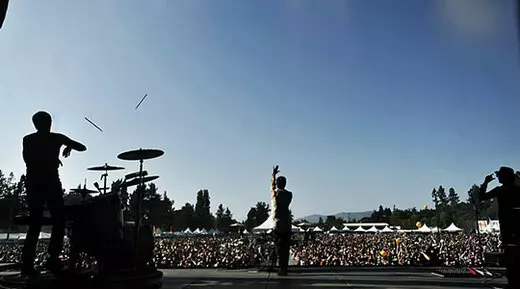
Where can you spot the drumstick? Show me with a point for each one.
(93, 124)
(142, 99)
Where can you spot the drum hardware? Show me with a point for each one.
(136, 174)
(142, 181)
(83, 192)
(106, 167)
(139, 155)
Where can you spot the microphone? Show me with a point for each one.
(97, 187)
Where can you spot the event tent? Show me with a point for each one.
(373, 229)
(269, 224)
(360, 229)
(333, 229)
(453, 228)
(386, 230)
(424, 229)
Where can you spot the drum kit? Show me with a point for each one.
(96, 225)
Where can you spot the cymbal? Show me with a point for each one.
(135, 181)
(136, 174)
(140, 154)
(105, 167)
(83, 191)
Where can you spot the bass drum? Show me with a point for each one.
(122, 253)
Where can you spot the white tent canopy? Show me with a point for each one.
(453, 228)
(424, 229)
(188, 231)
(333, 229)
(360, 229)
(386, 230)
(317, 229)
(269, 225)
(373, 229)
(346, 228)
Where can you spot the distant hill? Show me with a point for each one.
(343, 215)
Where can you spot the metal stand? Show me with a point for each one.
(138, 210)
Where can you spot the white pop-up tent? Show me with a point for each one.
(373, 229)
(333, 229)
(424, 229)
(386, 230)
(360, 230)
(317, 229)
(269, 225)
(453, 228)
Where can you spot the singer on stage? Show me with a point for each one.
(41, 152)
(282, 219)
(508, 196)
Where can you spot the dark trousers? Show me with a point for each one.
(512, 262)
(282, 244)
(39, 194)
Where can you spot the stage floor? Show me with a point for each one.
(317, 278)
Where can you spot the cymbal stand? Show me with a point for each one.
(138, 211)
(104, 178)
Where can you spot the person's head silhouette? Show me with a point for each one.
(42, 121)
(505, 175)
(281, 182)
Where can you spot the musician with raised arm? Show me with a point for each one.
(508, 196)
(41, 152)
(281, 199)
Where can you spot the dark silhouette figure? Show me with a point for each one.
(508, 196)
(3, 11)
(282, 219)
(41, 151)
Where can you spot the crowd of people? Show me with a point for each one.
(320, 250)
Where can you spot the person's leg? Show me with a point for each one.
(285, 247)
(56, 208)
(35, 204)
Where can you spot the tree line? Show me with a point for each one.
(448, 208)
(159, 210)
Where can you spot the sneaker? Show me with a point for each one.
(282, 272)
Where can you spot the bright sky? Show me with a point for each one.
(360, 102)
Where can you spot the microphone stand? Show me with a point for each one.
(476, 207)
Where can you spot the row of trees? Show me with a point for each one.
(159, 210)
(448, 208)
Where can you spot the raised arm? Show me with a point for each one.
(273, 180)
(483, 195)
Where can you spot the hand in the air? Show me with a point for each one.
(275, 170)
(66, 152)
(489, 178)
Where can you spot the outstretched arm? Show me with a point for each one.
(72, 145)
(483, 195)
(273, 180)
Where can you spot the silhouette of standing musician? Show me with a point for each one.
(41, 151)
(282, 219)
(508, 195)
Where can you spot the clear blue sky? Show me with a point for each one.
(360, 102)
